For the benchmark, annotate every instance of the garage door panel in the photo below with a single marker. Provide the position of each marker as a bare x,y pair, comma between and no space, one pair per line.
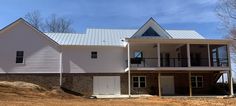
106,85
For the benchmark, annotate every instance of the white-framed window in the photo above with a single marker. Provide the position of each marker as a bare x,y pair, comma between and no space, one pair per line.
94,54
197,81
19,56
139,81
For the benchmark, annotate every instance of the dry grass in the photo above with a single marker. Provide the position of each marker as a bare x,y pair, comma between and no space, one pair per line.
11,95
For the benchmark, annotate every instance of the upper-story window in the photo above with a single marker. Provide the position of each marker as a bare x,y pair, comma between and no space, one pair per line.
19,56
94,55
138,54
150,32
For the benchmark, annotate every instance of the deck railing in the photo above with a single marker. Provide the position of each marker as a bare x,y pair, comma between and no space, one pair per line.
177,62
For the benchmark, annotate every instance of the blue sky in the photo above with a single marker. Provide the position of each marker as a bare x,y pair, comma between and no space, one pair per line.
198,15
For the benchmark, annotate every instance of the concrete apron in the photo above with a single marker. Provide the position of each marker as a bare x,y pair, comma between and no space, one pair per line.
146,95
205,96
119,96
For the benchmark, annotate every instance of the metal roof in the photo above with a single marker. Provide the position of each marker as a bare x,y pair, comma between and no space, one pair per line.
184,34
111,37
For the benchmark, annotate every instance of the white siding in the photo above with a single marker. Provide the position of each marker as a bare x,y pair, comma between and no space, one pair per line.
40,54
77,59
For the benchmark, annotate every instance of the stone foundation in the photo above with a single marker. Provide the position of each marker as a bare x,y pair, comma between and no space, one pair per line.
83,83
47,81
181,83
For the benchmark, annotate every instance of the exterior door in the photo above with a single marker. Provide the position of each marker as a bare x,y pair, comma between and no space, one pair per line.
106,85
167,85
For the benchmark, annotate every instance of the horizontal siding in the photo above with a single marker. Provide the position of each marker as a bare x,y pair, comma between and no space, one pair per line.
41,56
78,59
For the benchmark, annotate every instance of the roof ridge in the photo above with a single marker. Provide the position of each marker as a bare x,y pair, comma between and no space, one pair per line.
115,28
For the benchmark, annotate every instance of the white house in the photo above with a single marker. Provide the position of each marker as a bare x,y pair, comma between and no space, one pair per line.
148,60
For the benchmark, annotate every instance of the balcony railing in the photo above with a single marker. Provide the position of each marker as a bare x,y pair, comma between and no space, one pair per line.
177,62
144,62
219,62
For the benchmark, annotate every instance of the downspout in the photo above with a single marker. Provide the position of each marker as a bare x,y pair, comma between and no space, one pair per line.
60,68
129,88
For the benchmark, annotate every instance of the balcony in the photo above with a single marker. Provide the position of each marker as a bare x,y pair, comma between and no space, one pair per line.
178,55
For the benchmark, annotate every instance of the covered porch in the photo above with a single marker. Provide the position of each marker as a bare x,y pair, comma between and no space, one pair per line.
178,83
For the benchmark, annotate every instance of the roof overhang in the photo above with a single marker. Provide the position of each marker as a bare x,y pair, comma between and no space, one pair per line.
174,41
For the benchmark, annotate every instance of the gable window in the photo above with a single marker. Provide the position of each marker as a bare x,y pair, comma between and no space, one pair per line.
197,81
19,56
139,81
94,55
150,32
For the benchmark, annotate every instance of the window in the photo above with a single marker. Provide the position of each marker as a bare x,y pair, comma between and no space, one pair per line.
197,81
93,54
19,56
150,32
138,54
139,81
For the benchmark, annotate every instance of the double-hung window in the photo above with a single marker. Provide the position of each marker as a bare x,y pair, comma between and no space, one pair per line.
19,56
94,55
197,81
139,81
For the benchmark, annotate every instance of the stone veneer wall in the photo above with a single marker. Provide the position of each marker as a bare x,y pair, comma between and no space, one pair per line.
83,83
80,83
48,81
181,83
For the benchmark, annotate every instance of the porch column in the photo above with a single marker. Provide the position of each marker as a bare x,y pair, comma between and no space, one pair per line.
158,55
60,69
230,81
129,70
188,55
209,56
159,84
223,79
190,83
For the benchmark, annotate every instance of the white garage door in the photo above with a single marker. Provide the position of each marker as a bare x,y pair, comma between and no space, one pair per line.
106,85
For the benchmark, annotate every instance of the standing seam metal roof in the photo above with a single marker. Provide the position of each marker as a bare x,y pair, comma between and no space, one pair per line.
111,37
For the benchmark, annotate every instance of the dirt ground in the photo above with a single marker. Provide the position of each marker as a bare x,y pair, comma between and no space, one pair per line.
24,94
35,100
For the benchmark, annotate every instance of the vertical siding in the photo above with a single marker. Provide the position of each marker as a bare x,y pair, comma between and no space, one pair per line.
41,56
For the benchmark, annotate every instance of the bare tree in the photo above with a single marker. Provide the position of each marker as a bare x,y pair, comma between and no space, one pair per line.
35,19
51,24
58,24
226,10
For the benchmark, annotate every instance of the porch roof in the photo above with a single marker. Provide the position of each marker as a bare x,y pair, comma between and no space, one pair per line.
174,41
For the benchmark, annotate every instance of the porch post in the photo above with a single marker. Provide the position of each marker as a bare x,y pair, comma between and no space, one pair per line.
230,81
223,79
60,69
190,84
129,70
209,56
159,84
188,55
158,55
